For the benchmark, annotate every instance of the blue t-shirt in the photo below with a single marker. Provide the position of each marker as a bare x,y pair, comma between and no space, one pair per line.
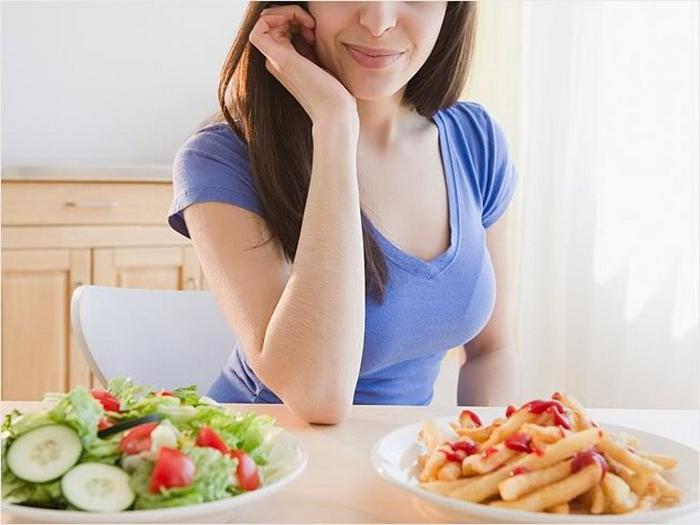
429,307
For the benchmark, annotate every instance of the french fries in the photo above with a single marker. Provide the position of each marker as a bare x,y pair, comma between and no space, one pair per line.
547,456
557,493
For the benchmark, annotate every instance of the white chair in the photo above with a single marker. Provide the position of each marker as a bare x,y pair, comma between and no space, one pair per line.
161,338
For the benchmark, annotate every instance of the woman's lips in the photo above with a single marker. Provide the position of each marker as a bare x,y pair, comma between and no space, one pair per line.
373,59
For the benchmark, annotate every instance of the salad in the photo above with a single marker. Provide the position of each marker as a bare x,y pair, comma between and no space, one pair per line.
132,447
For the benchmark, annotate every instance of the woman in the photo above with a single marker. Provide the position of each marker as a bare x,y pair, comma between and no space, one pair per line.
343,209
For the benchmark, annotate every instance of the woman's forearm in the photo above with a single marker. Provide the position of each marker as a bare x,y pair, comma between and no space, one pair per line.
491,378
313,344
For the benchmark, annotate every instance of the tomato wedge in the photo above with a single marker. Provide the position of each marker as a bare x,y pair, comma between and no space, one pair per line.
162,393
103,424
138,439
207,437
172,469
108,401
247,471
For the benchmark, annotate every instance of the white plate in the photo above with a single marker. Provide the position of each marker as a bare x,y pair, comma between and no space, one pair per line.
287,450
394,458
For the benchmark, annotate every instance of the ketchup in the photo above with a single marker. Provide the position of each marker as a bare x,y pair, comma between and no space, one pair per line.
469,447
553,407
519,470
490,452
587,457
538,406
460,450
510,410
475,419
457,456
560,419
519,442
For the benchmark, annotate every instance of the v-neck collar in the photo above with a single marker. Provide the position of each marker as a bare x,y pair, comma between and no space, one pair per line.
437,264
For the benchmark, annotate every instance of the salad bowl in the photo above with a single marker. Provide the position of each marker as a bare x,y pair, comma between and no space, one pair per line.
129,454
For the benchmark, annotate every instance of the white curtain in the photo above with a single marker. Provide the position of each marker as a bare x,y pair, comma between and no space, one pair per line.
606,220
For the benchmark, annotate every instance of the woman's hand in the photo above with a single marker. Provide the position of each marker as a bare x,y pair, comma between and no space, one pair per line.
286,36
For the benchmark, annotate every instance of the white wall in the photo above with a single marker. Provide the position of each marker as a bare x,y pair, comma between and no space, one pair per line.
109,82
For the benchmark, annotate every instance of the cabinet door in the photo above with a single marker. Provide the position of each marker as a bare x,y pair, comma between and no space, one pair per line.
39,352
162,268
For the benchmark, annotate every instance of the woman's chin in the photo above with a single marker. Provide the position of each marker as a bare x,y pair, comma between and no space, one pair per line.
365,91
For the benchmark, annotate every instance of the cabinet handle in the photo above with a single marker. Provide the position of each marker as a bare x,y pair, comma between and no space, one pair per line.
92,204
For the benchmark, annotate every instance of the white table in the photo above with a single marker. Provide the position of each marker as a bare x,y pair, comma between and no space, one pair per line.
340,485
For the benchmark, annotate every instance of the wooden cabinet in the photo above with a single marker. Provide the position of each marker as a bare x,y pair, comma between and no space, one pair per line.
59,231
165,268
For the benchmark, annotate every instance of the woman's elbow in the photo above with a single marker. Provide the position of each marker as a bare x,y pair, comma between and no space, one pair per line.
326,415
318,403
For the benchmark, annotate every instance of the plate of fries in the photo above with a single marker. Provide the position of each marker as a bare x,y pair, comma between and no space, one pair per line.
545,462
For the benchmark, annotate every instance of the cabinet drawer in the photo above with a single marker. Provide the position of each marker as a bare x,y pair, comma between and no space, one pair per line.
55,203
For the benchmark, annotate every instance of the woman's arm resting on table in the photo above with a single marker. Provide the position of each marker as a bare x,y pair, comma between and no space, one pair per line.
301,326
491,372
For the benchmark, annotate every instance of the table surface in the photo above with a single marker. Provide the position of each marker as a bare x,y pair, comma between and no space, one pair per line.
340,485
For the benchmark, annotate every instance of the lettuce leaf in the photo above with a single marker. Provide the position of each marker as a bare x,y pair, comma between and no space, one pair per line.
124,389
188,395
244,431
213,478
16,423
15,490
80,411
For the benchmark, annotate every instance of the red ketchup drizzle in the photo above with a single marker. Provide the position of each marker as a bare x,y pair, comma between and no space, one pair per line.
456,456
538,406
519,470
471,416
554,407
510,410
490,452
560,419
467,446
588,457
519,442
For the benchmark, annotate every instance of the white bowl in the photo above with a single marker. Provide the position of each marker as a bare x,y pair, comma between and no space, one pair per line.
394,458
289,451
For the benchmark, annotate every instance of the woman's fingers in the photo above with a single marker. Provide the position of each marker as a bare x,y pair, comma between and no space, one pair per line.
286,36
294,13
281,28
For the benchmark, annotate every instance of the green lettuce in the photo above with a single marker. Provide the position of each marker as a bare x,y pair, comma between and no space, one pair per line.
214,471
80,411
15,490
213,477
16,423
124,389
245,431
188,395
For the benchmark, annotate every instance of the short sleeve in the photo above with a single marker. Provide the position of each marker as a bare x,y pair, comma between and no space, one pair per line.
211,166
483,153
499,176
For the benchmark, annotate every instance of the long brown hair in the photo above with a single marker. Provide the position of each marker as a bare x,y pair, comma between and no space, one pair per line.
259,107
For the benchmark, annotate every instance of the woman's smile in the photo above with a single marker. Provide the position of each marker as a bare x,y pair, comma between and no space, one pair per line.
373,58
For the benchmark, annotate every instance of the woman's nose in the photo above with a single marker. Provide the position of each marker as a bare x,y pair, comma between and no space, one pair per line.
378,17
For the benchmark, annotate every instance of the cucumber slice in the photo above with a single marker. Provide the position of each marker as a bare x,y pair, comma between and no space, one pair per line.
97,487
45,453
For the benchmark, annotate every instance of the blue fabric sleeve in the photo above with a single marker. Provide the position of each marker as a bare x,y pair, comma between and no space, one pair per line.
497,177
500,177
211,166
